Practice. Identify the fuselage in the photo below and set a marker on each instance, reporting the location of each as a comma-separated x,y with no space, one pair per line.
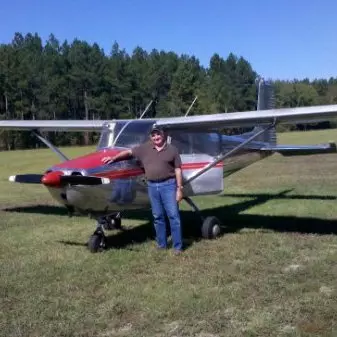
128,188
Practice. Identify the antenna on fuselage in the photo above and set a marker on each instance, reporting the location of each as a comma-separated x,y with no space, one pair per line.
130,121
190,107
147,108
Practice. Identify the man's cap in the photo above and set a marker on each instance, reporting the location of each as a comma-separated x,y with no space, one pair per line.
156,128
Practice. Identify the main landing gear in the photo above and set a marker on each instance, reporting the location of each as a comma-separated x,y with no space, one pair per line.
97,241
210,226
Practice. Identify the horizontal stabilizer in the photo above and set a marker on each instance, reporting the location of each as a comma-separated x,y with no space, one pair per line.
301,150
26,178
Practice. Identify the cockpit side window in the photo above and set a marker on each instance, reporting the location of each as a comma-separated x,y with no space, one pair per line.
196,142
181,141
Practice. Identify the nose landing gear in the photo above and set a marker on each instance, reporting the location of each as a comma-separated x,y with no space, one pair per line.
97,241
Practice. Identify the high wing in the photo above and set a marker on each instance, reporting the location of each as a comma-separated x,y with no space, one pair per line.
52,125
207,122
251,118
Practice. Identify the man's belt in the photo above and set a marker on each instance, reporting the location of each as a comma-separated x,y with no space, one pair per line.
159,180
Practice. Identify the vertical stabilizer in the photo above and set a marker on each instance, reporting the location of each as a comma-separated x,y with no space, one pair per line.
266,101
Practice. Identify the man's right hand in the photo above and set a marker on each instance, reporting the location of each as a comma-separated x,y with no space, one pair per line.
120,156
108,160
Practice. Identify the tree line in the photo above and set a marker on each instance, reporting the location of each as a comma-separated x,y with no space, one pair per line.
78,80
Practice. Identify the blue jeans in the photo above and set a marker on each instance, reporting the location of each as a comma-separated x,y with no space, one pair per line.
163,200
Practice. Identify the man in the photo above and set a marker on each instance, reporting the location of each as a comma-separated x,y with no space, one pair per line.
162,166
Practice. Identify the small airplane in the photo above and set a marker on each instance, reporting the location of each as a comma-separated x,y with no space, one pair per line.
87,186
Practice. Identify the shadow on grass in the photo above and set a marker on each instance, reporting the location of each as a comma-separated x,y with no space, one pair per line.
228,214
282,195
38,209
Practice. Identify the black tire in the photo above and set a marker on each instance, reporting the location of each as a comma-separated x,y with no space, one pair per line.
96,243
211,227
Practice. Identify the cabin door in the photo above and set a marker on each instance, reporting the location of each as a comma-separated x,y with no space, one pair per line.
197,150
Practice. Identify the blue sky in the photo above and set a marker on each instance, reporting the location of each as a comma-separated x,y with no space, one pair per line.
281,39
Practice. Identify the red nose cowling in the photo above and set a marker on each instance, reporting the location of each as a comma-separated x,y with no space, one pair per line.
52,179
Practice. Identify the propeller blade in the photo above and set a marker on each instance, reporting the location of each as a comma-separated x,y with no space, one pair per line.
84,180
57,179
26,178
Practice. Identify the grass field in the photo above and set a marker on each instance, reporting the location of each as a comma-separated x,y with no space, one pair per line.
273,273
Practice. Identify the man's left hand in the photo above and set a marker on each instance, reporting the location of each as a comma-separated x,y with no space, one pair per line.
179,195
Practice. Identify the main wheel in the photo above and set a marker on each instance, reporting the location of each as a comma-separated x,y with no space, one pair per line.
96,242
211,227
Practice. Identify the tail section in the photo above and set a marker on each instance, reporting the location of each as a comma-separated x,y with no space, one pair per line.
265,96
266,101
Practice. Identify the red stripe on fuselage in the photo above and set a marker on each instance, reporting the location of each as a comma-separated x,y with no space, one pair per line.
93,160
120,174
133,172
195,166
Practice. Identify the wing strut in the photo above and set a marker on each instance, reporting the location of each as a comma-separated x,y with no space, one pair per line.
190,107
147,108
50,145
221,157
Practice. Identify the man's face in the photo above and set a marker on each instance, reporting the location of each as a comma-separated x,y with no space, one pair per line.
157,138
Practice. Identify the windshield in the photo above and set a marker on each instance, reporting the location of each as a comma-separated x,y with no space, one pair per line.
125,133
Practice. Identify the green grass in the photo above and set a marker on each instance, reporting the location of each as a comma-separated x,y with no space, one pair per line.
273,273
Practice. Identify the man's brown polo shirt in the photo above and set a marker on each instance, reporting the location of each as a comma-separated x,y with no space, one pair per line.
158,165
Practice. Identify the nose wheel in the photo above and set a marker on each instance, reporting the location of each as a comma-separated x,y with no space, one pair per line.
97,241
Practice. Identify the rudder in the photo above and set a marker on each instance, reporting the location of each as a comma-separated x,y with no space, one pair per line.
266,101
